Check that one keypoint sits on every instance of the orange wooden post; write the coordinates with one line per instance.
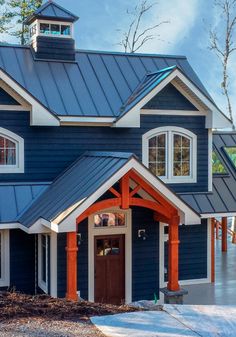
(71, 250)
(217, 229)
(173, 254)
(213, 250)
(224, 234)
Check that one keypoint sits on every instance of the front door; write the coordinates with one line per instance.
(109, 269)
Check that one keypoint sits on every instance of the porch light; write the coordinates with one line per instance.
(142, 234)
(79, 239)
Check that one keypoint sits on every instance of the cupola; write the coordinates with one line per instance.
(51, 32)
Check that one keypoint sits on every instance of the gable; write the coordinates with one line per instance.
(6, 99)
(169, 98)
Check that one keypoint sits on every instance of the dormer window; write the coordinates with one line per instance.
(54, 29)
(11, 152)
(170, 154)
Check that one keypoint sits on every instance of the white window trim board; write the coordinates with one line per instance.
(5, 253)
(20, 160)
(170, 131)
(43, 285)
(127, 231)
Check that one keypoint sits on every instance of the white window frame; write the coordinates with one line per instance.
(170, 131)
(50, 22)
(41, 283)
(5, 259)
(19, 141)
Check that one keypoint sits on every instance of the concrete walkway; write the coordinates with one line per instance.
(223, 291)
(174, 321)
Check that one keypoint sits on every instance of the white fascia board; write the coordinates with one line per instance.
(220, 215)
(73, 120)
(218, 118)
(173, 112)
(132, 118)
(39, 114)
(187, 215)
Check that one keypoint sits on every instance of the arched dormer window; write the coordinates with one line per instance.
(170, 153)
(11, 152)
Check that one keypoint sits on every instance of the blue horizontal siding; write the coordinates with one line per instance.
(145, 256)
(49, 150)
(6, 99)
(22, 261)
(170, 98)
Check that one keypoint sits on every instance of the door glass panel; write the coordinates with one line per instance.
(99, 248)
(105, 247)
(115, 247)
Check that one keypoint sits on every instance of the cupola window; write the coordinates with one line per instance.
(170, 153)
(55, 29)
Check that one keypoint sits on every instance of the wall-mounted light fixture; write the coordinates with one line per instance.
(79, 238)
(142, 234)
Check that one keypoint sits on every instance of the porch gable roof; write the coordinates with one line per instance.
(86, 180)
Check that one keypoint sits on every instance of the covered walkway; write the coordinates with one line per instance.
(223, 291)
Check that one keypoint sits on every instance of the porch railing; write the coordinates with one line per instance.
(218, 226)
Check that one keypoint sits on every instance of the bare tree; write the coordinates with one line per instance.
(223, 43)
(135, 36)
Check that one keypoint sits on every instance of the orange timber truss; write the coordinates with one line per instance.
(126, 198)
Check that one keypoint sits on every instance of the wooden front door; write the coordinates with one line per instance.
(109, 270)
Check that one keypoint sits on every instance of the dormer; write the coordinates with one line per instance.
(51, 32)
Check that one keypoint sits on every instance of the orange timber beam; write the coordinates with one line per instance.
(173, 254)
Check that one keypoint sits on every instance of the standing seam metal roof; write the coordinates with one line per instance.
(222, 199)
(96, 84)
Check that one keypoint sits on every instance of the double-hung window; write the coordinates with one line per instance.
(170, 153)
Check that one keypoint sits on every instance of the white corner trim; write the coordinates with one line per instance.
(169, 131)
(39, 114)
(20, 160)
(53, 264)
(210, 174)
(127, 231)
(5, 258)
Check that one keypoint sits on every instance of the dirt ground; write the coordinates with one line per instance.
(42, 316)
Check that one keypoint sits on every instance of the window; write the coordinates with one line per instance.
(106, 247)
(43, 255)
(109, 219)
(55, 29)
(11, 152)
(231, 152)
(217, 166)
(170, 153)
(4, 258)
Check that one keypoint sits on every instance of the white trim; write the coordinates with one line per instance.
(5, 258)
(216, 118)
(13, 108)
(53, 264)
(220, 215)
(42, 284)
(127, 231)
(19, 142)
(173, 112)
(73, 120)
(170, 131)
(39, 114)
(210, 174)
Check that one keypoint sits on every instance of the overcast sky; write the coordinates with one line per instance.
(186, 34)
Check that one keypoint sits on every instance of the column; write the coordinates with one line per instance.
(173, 255)
(224, 234)
(71, 251)
(212, 250)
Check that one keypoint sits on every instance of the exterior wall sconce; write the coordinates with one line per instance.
(142, 234)
(79, 238)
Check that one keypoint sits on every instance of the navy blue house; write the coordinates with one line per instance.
(106, 183)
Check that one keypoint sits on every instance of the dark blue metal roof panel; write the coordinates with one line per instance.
(96, 84)
(15, 199)
(222, 199)
(75, 184)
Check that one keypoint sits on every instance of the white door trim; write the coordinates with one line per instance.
(127, 231)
